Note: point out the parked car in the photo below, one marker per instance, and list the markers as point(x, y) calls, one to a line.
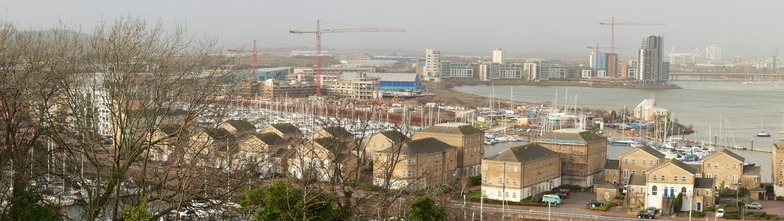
point(754, 205)
point(562, 195)
point(595, 203)
point(720, 213)
point(646, 214)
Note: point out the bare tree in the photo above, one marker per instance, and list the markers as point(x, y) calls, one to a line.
point(124, 83)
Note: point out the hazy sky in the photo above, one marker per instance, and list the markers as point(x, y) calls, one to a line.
point(747, 28)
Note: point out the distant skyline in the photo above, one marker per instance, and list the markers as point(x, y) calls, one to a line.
point(552, 28)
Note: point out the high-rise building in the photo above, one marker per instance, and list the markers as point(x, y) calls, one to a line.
point(496, 71)
point(612, 65)
point(498, 56)
point(650, 66)
point(432, 70)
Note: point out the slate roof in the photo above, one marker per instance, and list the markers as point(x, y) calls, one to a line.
point(604, 184)
point(571, 135)
point(612, 165)
point(704, 183)
point(332, 144)
point(652, 151)
point(726, 151)
point(637, 180)
point(219, 134)
point(675, 162)
point(419, 146)
point(395, 136)
point(286, 128)
point(170, 129)
point(452, 128)
point(338, 132)
point(270, 138)
point(523, 153)
point(241, 125)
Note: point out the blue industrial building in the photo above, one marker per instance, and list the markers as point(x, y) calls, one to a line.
point(398, 81)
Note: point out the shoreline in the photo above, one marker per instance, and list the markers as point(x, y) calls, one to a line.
point(594, 84)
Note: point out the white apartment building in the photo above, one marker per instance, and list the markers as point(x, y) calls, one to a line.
point(498, 56)
point(456, 70)
point(432, 70)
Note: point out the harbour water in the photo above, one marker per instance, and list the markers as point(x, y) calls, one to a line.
point(748, 109)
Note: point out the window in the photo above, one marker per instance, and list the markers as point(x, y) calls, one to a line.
point(654, 190)
point(626, 173)
point(663, 178)
point(507, 168)
point(643, 162)
point(499, 193)
point(754, 179)
point(709, 165)
point(734, 179)
point(514, 195)
point(675, 178)
point(500, 180)
point(709, 176)
point(500, 168)
point(446, 139)
point(697, 192)
point(734, 166)
point(507, 180)
point(515, 169)
point(728, 165)
point(655, 177)
point(410, 161)
point(484, 166)
point(514, 181)
point(484, 179)
point(409, 173)
point(707, 193)
point(634, 161)
point(716, 165)
point(625, 160)
point(781, 162)
point(683, 178)
point(726, 177)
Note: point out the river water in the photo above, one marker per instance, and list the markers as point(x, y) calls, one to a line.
point(747, 108)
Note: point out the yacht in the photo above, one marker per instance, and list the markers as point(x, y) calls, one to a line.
point(763, 134)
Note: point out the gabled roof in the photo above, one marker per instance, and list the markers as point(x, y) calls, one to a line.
point(675, 162)
point(612, 165)
point(395, 136)
point(338, 132)
point(647, 149)
point(269, 138)
point(419, 146)
point(779, 145)
point(241, 125)
point(577, 136)
point(523, 153)
point(286, 128)
point(332, 144)
point(219, 134)
point(637, 180)
point(170, 129)
point(725, 151)
point(604, 184)
point(704, 183)
point(452, 128)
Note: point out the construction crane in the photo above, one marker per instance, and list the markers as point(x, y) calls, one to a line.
point(254, 51)
point(318, 33)
point(612, 25)
point(596, 55)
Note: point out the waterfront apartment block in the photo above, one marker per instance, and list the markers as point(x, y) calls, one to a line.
point(651, 68)
point(456, 70)
point(273, 89)
point(266, 153)
point(496, 71)
point(637, 162)
point(467, 139)
point(583, 155)
point(729, 171)
point(520, 172)
point(777, 168)
point(661, 184)
point(352, 85)
point(432, 69)
point(416, 164)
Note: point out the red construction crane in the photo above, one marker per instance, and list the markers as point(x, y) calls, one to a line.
point(318, 33)
point(612, 25)
point(254, 51)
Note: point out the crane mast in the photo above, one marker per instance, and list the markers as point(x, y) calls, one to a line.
point(318, 33)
